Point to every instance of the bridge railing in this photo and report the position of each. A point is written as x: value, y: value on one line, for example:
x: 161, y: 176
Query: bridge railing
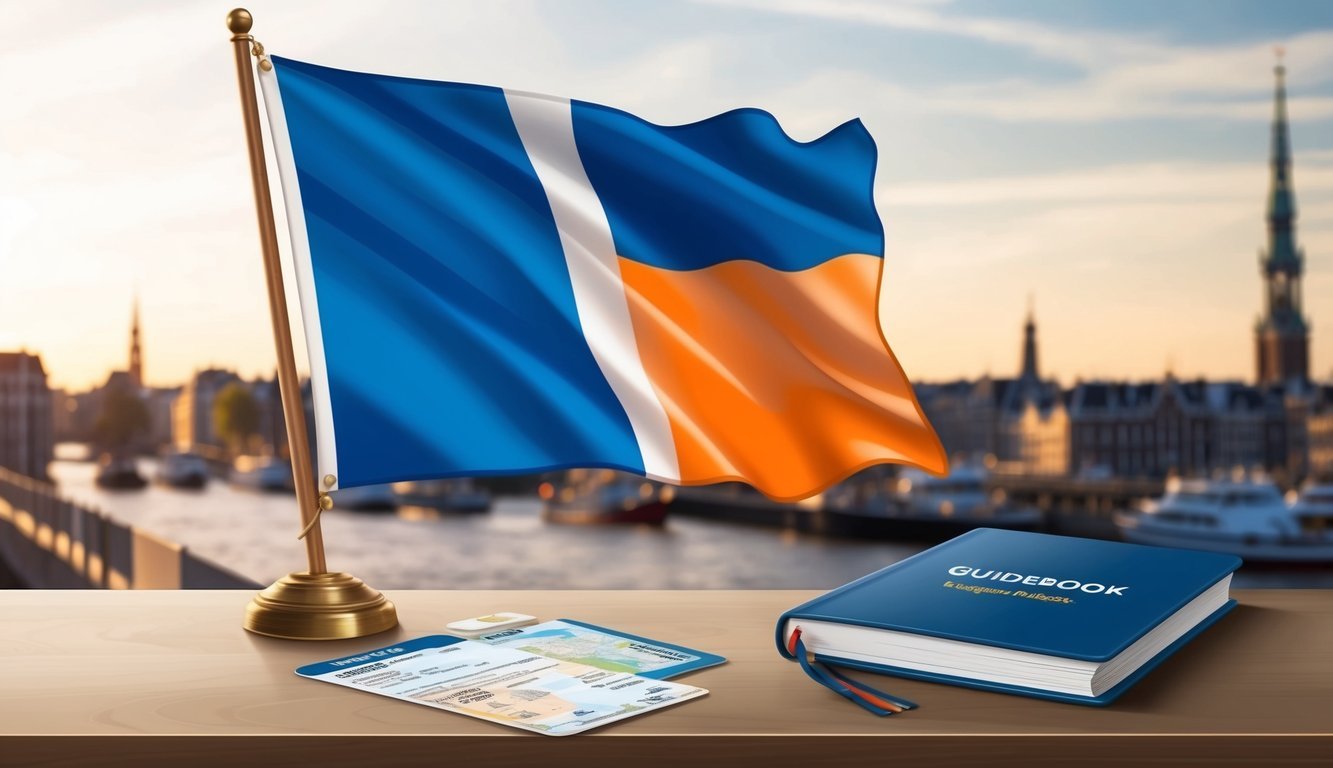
x: 50, y: 542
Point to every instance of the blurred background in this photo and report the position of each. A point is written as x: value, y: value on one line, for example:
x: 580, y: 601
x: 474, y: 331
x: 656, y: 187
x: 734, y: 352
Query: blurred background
x: 1109, y: 274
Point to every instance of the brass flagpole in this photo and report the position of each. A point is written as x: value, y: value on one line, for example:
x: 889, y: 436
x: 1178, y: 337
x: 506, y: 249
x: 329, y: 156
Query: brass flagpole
x: 316, y: 604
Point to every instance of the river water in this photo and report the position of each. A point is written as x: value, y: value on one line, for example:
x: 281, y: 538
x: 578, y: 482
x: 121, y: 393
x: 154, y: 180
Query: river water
x: 510, y: 547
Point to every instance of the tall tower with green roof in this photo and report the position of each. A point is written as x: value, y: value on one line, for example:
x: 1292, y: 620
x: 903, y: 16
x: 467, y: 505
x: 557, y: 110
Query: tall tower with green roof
x: 1282, y: 335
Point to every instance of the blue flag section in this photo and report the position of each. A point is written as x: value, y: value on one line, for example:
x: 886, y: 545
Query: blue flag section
x: 785, y: 204
x: 451, y: 340
x: 503, y: 282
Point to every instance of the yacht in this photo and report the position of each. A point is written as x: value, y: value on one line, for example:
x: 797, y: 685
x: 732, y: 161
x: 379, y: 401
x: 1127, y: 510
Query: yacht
x: 262, y: 473
x: 182, y: 469
x: 1248, y: 518
x: 119, y: 472
x: 920, y: 505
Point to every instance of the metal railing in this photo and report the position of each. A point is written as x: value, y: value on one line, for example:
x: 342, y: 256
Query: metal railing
x: 50, y: 542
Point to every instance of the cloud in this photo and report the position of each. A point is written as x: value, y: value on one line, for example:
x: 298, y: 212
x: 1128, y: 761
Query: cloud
x: 1224, y: 82
x: 1120, y: 76
x: 1084, y: 47
x: 1140, y: 182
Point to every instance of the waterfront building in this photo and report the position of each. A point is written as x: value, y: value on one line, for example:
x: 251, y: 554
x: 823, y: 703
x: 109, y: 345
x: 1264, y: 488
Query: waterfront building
x: 1171, y: 427
x: 1033, y: 425
x: 272, y: 433
x: 1020, y: 423
x: 192, y: 410
x: 1319, y: 437
x: 1135, y: 429
x: 64, y: 407
x: 27, y: 423
x: 962, y: 414
x: 1249, y: 427
x: 76, y: 415
x: 160, y: 401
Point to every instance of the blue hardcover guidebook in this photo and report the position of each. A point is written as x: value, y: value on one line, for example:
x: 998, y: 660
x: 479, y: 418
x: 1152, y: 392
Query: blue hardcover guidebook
x: 1064, y: 618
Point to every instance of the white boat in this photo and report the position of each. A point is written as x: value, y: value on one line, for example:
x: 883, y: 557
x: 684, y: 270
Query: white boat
x: 1246, y: 518
x: 262, y: 473
x: 961, y: 497
x: 458, y: 494
x: 182, y: 470
x: 920, y: 505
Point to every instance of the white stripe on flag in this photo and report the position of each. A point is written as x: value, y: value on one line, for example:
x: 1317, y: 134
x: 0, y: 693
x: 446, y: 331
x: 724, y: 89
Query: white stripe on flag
x: 546, y: 127
x: 305, y: 279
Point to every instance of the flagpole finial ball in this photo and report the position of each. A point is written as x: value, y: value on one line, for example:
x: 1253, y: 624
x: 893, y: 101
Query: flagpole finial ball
x: 239, y: 21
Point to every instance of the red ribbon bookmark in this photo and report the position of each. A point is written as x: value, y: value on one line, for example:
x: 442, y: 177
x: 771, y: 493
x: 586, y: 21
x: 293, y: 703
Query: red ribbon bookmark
x: 859, y: 693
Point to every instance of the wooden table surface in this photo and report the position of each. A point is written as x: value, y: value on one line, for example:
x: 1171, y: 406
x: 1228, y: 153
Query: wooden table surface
x: 169, y: 677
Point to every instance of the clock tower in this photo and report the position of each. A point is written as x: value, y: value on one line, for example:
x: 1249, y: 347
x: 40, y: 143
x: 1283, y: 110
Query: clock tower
x: 1282, y: 335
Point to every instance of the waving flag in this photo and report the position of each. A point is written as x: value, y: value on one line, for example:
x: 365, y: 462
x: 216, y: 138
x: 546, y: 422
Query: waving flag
x: 501, y: 282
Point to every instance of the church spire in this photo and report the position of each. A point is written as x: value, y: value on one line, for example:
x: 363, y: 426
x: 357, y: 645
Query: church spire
x: 136, y: 354
x: 1282, y: 335
x: 1029, y: 371
x: 1281, y: 200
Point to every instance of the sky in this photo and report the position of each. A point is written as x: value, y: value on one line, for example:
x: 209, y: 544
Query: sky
x: 1106, y: 161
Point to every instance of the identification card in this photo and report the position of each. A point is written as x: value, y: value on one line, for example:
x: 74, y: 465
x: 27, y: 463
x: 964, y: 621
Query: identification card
x: 504, y: 685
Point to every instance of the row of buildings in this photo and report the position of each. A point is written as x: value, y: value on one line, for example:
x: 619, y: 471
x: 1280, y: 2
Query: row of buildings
x: 178, y: 417
x: 192, y: 422
x: 33, y: 417
x: 1281, y: 423
x: 1191, y: 428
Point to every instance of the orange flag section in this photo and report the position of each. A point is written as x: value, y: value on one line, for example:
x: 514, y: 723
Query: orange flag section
x: 778, y: 379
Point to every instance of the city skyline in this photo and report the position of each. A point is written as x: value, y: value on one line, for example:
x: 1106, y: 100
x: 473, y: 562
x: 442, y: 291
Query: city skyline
x: 1113, y: 163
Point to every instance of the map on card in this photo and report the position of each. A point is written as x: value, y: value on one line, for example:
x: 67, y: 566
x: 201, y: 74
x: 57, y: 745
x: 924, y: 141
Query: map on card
x: 607, y: 649
x: 504, y: 685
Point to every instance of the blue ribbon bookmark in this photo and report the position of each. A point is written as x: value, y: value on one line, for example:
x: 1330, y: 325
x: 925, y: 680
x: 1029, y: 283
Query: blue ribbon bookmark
x: 869, y: 699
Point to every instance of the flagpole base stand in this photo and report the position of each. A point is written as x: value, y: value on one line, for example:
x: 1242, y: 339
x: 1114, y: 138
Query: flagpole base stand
x: 319, y: 606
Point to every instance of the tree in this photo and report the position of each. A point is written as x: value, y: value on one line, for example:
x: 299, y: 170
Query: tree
x: 124, y: 417
x: 235, y: 416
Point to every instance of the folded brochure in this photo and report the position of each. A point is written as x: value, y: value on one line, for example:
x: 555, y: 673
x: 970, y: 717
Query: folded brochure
x: 504, y: 685
x: 604, y: 648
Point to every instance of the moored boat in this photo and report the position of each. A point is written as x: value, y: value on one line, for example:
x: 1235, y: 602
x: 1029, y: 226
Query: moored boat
x: 182, y: 469
x: 119, y: 472
x: 262, y: 473
x: 457, y: 494
x: 1248, y: 518
x: 603, y: 496
x: 917, y: 505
